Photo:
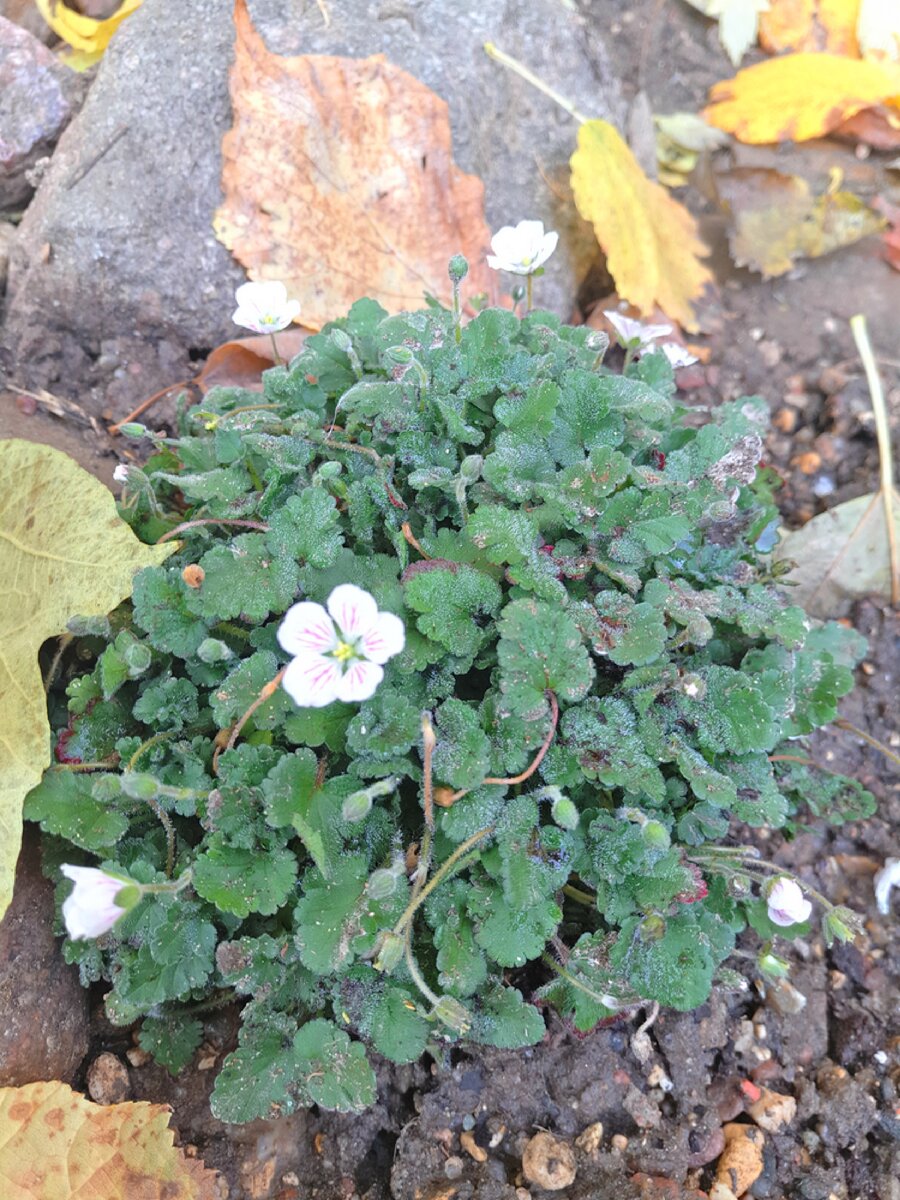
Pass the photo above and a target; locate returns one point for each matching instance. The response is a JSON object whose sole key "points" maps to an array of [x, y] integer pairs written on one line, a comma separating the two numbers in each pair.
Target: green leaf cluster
{"points": [[609, 671]]}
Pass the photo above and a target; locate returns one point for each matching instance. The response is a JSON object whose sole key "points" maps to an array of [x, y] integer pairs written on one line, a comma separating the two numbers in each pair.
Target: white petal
{"points": [[263, 295], [786, 903], [548, 245], [90, 909], [306, 627], [311, 680], [886, 879], [354, 610], [359, 682], [248, 319], [678, 356], [384, 639]]}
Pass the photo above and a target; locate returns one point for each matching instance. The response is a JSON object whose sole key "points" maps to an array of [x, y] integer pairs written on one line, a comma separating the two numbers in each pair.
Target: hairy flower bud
{"points": [[382, 883], [211, 650], [454, 1015], [390, 953], [656, 835], [356, 807], [458, 268], [140, 786], [564, 813]]}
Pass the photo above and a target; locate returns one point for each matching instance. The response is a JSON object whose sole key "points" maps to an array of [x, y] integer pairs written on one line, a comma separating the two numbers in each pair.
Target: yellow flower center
{"points": [[343, 651]]}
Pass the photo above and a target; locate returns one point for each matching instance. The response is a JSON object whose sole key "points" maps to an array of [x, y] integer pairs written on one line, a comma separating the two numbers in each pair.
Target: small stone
{"points": [[290, 1179], [773, 1111], [785, 420], [471, 1147], [454, 1167], [619, 1142], [809, 462], [549, 1162], [138, 1057], [785, 998], [107, 1080], [589, 1139], [741, 1163], [770, 352], [659, 1078], [721, 1191], [708, 1148]]}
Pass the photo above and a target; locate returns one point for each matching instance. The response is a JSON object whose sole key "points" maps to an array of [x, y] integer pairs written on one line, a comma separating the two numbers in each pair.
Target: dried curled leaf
{"points": [[87, 36], [651, 242], [843, 555], [798, 96], [826, 25], [774, 219], [56, 1145], [64, 551], [339, 180]]}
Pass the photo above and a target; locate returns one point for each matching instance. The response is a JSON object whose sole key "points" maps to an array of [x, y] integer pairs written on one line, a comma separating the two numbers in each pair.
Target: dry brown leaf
{"points": [[651, 242], [891, 239], [799, 96], [56, 1145], [827, 25], [877, 127], [339, 181], [774, 218], [241, 362]]}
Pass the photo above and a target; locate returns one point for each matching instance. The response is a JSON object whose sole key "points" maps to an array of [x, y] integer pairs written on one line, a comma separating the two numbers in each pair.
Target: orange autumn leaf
{"points": [[798, 96], [651, 242], [339, 181], [56, 1145], [813, 25]]}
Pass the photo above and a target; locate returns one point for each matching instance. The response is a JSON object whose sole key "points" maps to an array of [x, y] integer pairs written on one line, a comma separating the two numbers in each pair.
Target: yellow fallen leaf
{"points": [[651, 242], [56, 1145], [339, 180], [774, 218], [799, 96], [87, 36], [826, 25], [64, 552]]}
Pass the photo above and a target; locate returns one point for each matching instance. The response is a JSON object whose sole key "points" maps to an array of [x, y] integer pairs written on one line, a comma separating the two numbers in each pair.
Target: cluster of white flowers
{"points": [[638, 338]]}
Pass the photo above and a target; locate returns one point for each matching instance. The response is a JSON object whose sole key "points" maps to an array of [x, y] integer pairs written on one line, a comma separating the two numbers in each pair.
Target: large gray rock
{"points": [[117, 256]]}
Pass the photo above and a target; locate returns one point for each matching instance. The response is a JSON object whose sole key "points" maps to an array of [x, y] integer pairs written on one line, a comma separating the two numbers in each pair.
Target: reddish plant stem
{"points": [[211, 521], [535, 762]]}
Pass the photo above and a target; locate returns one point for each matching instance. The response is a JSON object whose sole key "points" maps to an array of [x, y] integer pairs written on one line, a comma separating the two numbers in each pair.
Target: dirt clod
{"points": [[772, 1111], [548, 1162], [590, 1139]]}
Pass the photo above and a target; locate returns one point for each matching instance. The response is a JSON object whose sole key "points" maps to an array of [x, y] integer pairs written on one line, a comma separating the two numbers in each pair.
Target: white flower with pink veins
{"points": [[91, 908], [338, 651], [786, 903]]}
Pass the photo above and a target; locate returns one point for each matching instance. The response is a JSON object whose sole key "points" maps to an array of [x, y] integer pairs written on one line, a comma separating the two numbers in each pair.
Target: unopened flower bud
{"points": [[382, 883], [652, 929], [564, 813], [470, 467], [458, 268], [390, 953], [140, 786], [356, 807], [138, 657], [401, 355], [132, 429], [211, 650], [106, 787], [656, 835], [97, 901], [841, 925], [329, 470], [786, 903], [451, 1013], [773, 966], [342, 340]]}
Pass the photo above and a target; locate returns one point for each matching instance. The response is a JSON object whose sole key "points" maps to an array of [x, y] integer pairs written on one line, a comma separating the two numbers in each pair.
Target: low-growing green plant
{"points": [[537, 804]]}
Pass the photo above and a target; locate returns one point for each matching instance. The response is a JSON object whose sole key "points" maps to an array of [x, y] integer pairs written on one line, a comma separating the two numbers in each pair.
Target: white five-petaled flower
{"points": [[91, 907], [786, 903], [635, 335], [264, 307], [678, 356], [339, 654], [521, 249], [120, 474], [886, 879]]}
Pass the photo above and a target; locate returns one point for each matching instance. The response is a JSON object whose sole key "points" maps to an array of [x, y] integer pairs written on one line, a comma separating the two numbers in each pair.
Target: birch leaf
{"points": [[64, 552], [651, 242], [56, 1145]]}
